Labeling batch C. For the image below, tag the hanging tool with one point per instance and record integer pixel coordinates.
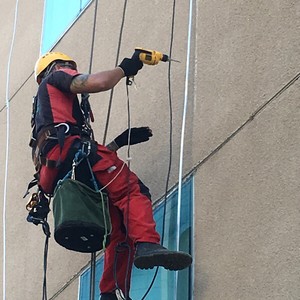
(151, 57)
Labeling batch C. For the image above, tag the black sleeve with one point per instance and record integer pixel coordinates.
(61, 80)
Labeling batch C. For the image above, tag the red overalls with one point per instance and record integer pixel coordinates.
(128, 205)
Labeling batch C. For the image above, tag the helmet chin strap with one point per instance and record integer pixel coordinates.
(49, 69)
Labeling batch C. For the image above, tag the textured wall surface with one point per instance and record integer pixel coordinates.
(245, 159)
(247, 224)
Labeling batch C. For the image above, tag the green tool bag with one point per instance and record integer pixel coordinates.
(81, 217)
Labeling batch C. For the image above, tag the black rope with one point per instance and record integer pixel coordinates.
(46, 230)
(120, 248)
(92, 276)
(126, 219)
(93, 255)
(93, 36)
(125, 243)
(116, 63)
(170, 144)
(39, 209)
(128, 189)
(45, 267)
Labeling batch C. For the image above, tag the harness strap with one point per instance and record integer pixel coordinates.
(56, 134)
(50, 132)
(83, 173)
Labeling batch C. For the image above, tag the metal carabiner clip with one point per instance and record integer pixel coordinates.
(63, 124)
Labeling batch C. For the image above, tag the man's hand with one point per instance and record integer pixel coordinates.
(130, 66)
(137, 135)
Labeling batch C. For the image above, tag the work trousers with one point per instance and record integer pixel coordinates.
(130, 211)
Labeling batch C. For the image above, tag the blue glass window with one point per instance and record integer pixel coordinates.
(165, 283)
(59, 15)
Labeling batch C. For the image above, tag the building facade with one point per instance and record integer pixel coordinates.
(225, 143)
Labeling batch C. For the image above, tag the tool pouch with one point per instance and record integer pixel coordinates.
(81, 217)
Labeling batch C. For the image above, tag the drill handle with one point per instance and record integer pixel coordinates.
(148, 57)
(138, 51)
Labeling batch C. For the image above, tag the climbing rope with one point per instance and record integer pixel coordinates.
(7, 151)
(116, 63)
(186, 93)
(93, 255)
(110, 103)
(93, 36)
(124, 244)
(106, 128)
(170, 143)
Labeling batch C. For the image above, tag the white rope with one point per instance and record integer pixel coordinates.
(186, 90)
(7, 153)
(128, 159)
(184, 119)
(43, 29)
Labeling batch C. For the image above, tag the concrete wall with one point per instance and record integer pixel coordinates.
(246, 169)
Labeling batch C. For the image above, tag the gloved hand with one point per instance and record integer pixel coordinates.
(137, 135)
(130, 66)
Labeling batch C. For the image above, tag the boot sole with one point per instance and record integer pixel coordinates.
(173, 261)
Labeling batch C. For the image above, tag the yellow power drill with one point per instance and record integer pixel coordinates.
(151, 57)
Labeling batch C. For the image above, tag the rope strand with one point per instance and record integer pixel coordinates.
(116, 63)
(7, 152)
(170, 143)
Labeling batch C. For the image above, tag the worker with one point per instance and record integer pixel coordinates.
(58, 125)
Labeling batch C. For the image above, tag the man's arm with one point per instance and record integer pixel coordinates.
(106, 80)
(98, 82)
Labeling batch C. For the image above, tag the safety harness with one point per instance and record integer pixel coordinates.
(82, 153)
(49, 136)
(54, 134)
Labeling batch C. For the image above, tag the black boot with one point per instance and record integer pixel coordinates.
(110, 296)
(149, 255)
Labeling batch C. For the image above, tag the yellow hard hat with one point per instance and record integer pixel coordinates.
(44, 61)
